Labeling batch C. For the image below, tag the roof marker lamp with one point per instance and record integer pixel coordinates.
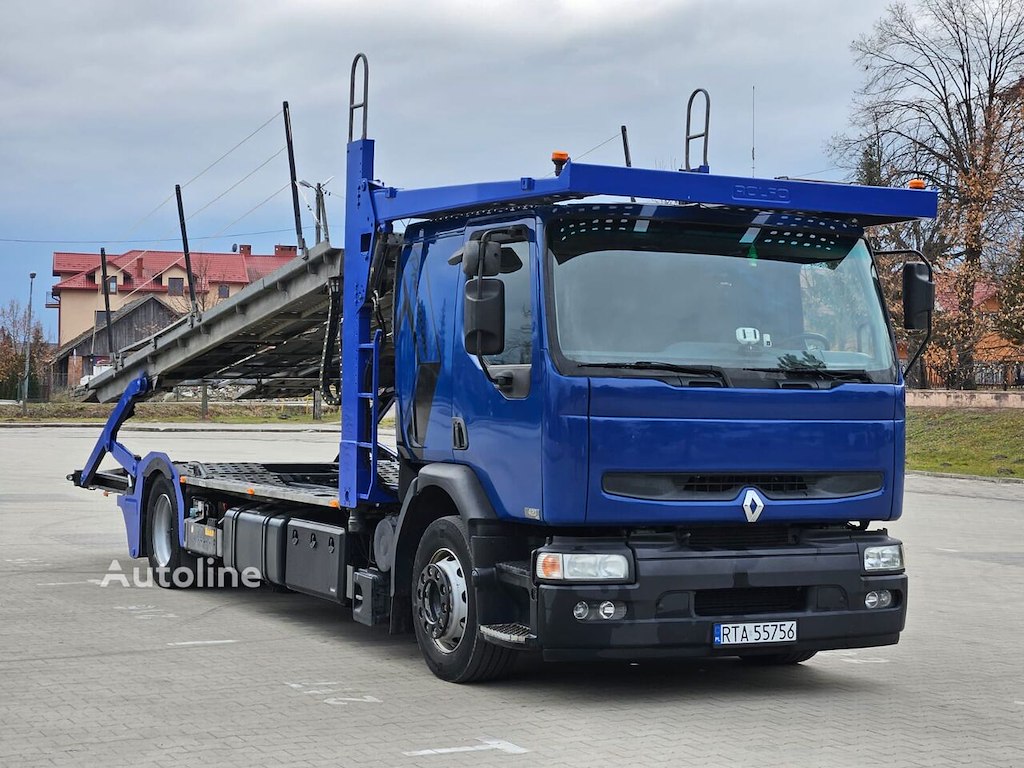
(559, 159)
(885, 558)
(558, 566)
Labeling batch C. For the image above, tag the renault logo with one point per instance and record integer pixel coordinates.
(753, 505)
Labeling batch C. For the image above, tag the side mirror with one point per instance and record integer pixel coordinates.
(918, 297)
(483, 321)
(475, 252)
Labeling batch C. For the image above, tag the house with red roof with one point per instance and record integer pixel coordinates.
(140, 274)
(78, 293)
(998, 362)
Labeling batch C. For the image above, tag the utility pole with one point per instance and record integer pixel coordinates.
(28, 345)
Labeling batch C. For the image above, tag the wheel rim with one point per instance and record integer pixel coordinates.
(442, 604)
(162, 530)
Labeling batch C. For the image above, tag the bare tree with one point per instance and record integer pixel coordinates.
(13, 332)
(1010, 323)
(942, 100)
(206, 294)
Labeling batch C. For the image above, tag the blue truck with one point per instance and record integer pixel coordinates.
(660, 423)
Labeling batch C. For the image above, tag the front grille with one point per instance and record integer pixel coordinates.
(749, 601)
(721, 486)
(732, 484)
(737, 537)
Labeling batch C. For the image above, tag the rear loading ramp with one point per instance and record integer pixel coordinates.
(268, 338)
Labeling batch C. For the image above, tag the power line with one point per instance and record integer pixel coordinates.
(202, 172)
(163, 239)
(244, 178)
(613, 137)
(192, 215)
(258, 205)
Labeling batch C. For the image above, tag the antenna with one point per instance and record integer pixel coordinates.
(625, 151)
(753, 115)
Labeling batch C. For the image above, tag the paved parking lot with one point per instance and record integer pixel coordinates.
(149, 677)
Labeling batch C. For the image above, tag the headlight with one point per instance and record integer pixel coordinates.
(580, 567)
(885, 558)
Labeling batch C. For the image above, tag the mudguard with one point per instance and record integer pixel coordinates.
(132, 503)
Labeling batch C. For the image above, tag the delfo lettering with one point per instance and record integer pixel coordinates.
(757, 192)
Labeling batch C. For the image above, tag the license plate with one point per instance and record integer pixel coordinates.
(755, 634)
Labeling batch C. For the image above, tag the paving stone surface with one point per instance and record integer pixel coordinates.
(115, 676)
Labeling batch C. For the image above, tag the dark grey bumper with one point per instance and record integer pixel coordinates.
(679, 595)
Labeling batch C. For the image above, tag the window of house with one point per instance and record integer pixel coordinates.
(175, 286)
(222, 291)
(112, 284)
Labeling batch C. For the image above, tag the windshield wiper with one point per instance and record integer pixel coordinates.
(707, 371)
(824, 374)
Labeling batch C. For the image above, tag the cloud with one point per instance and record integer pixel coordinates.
(108, 104)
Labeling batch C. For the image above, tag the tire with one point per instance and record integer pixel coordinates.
(172, 566)
(444, 609)
(778, 659)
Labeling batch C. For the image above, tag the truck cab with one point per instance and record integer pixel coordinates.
(709, 395)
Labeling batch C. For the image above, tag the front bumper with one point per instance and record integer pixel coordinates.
(679, 595)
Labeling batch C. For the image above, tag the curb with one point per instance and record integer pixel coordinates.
(982, 478)
(171, 427)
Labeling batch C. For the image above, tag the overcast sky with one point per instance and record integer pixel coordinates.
(106, 104)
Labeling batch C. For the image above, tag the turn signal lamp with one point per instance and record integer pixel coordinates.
(549, 566)
(916, 184)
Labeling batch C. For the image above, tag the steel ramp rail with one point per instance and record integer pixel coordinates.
(268, 338)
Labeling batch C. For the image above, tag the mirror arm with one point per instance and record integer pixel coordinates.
(931, 278)
(921, 347)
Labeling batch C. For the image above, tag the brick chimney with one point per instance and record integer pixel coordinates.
(286, 250)
(245, 250)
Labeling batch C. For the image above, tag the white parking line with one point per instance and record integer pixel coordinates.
(205, 642)
(487, 744)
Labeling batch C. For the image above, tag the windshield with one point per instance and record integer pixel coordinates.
(734, 297)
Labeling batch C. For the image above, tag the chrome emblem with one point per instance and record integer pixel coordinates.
(753, 505)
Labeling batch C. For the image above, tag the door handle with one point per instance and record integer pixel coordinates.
(460, 436)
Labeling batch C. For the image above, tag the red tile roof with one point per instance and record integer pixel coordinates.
(75, 269)
(945, 292)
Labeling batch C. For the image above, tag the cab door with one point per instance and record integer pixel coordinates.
(498, 398)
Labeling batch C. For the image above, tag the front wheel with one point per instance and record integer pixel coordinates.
(444, 608)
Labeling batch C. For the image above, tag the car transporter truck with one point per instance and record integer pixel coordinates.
(657, 424)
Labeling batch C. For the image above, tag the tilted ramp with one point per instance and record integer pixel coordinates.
(267, 339)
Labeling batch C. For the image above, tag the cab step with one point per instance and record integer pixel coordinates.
(515, 572)
(517, 636)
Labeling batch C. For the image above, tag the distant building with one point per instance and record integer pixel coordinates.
(998, 362)
(78, 294)
(148, 291)
(86, 354)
